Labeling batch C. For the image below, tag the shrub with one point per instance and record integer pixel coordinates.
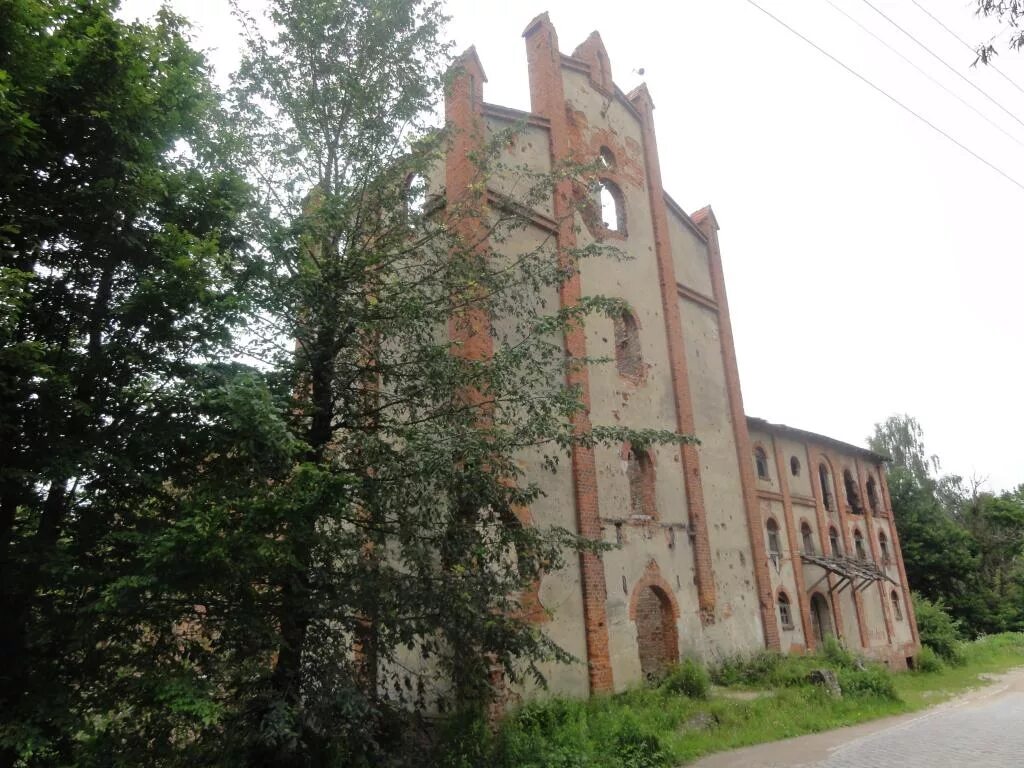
(837, 656)
(637, 747)
(760, 669)
(687, 679)
(938, 630)
(927, 660)
(872, 682)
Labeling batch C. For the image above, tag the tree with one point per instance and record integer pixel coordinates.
(1008, 12)
(902, 440)
(123, 267)
(354, 550)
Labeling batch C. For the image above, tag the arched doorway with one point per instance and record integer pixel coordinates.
(821, 618)
(656, 636)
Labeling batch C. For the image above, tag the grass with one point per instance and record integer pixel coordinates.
(757, 699)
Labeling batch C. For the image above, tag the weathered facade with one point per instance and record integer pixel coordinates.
(728, 546)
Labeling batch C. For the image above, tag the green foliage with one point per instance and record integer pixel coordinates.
(874, 681)
(688, 678)
(927, 661)
(937, 629)
(757, 669)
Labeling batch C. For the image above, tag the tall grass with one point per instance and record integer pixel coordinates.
(757, 698)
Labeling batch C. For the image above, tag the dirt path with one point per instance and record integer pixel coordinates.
(983, 728)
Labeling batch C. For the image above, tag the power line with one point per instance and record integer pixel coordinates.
(967, 45)
(924, 72)
(891, 98)
(942, 61)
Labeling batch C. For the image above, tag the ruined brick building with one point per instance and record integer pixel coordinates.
(762, 535)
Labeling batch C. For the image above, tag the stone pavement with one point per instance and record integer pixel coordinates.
(983, 729)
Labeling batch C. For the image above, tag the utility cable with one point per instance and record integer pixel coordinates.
(924, 72)
(967, 45)
(891, 98)
(942, 61)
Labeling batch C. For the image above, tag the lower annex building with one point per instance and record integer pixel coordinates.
(761, 536)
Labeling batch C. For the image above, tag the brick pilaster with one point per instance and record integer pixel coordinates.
(803, 600)
(707, 223)
(689, 454)
(547, 96)
(897, 551)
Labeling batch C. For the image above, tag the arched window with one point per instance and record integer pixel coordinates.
(606, 158)
(640, 473)
(808, 538)
(794, 466)
(896, 608)
(883, 548)
(785, 612)
(852, 497)
(628, 360)
(858, 546)
(774, 545)
(613, 209)
(826, 486)
(761, 462)
(833, 542)
(872, 496)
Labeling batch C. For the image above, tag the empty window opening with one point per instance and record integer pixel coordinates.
(761, 462)
(826, 486)
(896, 608)
(774, 545)
(794, 466)
(606, 158)
(872, 496)
(785, 611)
(833, 542)
(656, 635)
(858, 546)
(613, 213)
(640, 472)
(821, 618)
(808, 538)
(852, 498)
(883, 548)
(628, 360)
(415, 194)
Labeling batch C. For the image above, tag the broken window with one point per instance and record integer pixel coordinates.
(794, 466)
(883, 548)
(606, 158)
(826, 486)
(833, 542)
(872, 496)
(852, 498)
(785, 612)
(628, 360)
(613, 209)
(761, 462)
(774, 545)
(896, 608)
(858, 545)
(808, 538)
(640, 473)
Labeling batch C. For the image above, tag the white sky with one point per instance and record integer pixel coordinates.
(872, 266)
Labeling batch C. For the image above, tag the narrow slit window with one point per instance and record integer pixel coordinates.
(833, 542)
(858, 545)
(774, 543)
(808, 538)
(883, 548)
(628, 360)
(852, 497)
(897, 609)
(794, 466)
(761, 463)
(613, 210)
(826, 484)
(640, 473)
(873, 496)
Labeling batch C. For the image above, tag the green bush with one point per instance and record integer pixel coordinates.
(638, 747)
(687, 679)
(837, 656)
(938, 630)
(928, 661)
(760, 669)
(872, 682)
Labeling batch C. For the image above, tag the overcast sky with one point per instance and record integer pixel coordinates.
(873, 267)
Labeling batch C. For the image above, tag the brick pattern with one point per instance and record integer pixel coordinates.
(706, 222)
(641, 100)
(656, 637)
(547, 96)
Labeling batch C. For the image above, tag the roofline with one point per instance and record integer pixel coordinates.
(755, 423)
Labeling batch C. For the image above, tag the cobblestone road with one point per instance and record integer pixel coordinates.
(984, 729)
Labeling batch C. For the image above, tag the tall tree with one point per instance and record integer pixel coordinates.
(122, 263)
(1007, 12)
